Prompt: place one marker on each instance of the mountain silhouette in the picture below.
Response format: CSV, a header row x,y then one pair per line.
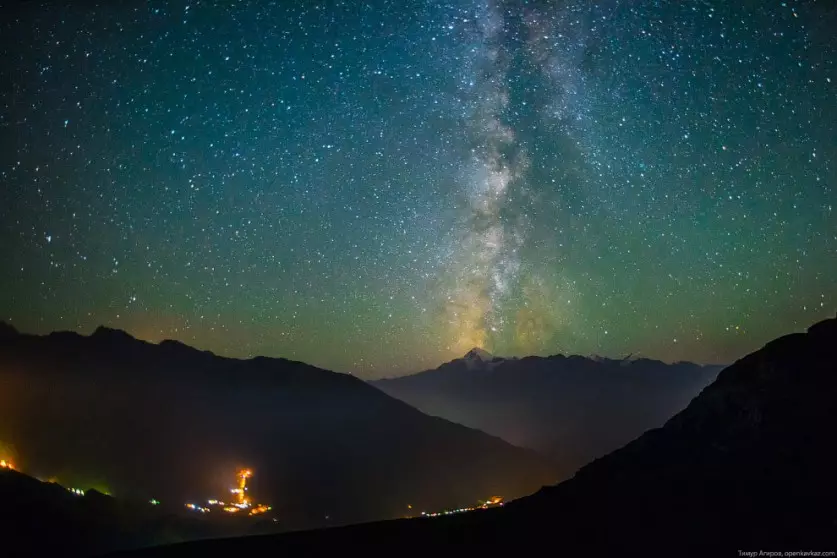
x,y
747,466
7,331
478,354
45,519
572,409
171,422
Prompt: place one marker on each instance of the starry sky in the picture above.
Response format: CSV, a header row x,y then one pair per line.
x,y
376,187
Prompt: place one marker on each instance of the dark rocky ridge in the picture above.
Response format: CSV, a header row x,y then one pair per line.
x,y
45,519
172,422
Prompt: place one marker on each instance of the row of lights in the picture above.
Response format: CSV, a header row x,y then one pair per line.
x,y
495,501
4,464
229,508
8,465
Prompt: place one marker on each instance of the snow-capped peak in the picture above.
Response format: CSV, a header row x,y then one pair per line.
x,y
479,354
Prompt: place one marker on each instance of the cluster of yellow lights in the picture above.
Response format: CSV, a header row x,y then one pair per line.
x,y
261,508
241,501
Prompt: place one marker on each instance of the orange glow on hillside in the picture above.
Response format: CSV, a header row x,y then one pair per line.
x,y
240,503
261,508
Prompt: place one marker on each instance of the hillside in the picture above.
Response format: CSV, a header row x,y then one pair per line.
x,y
570,408
41,518
144,420
748,466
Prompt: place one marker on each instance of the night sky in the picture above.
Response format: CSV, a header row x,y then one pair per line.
x,y
379,186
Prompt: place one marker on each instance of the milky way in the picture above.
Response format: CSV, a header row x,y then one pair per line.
x,y
487,262
378,187
485,259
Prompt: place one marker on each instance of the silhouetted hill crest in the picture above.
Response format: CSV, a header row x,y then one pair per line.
x,y
106,404
104,333
178,349
825,328
747,460
7,330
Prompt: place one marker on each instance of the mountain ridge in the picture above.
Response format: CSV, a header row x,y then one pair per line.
x,y
571,408
747,466
103,405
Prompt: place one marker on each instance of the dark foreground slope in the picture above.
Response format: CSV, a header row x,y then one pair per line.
x,y
45,519
572,409
747,466
169,422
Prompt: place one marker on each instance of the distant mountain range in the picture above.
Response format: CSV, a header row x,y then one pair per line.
x,y
746,469
170,422
572,409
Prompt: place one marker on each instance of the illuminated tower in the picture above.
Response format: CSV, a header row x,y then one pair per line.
x,y
243,475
